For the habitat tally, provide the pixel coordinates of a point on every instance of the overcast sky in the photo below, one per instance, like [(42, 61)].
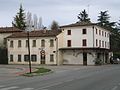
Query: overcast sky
[(63, 11)]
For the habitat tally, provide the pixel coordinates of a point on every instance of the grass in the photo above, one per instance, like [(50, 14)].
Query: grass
[(39, 71)]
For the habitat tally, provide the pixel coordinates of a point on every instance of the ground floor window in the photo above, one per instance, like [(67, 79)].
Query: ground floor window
[(19, 58), (34, 58), (11, 58), (26, 58), (51, 58)]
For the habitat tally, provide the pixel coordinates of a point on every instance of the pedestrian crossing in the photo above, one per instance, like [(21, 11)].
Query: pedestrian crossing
[(3, 87)]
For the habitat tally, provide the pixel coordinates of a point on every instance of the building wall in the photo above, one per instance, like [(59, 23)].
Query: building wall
[(23, 50)]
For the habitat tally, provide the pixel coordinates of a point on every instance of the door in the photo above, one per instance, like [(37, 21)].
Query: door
[(84, 58), (42, 59)]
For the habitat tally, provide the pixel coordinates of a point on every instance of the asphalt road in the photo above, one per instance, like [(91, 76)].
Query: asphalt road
[(105, 77)]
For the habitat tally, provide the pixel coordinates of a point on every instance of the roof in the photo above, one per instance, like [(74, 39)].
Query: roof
[(38, 33), (9, 30), (79, 24)]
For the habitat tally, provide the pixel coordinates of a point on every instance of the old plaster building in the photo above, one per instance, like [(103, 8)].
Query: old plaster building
[(78, 43)]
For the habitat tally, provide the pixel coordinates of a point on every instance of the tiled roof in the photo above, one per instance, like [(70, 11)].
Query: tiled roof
[(9, 30), (79, 24), (38, 33)]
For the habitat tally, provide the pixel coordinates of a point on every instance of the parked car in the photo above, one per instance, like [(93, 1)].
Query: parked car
[(115, 61)]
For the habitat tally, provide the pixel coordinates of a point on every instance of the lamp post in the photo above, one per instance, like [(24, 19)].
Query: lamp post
[(29, 51)]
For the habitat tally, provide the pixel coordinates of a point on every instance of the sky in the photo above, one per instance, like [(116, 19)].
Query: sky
[(62, 11)]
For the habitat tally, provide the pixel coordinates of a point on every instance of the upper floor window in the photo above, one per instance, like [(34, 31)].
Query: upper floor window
[(84, 31), (51, 42), (42, 43), (69, 43), (26, 43), (102, 43), (11, 58), (99, 43), (34, 43), (105, 34), (99, 32), (34, 58), (96, 42), (51, 58), (11, 43), (96, 31), (19, 43), (102, 33), (68, 32), (84, 42)]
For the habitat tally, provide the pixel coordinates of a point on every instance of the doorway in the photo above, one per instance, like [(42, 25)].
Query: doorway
[(42, 59), (84, 58)]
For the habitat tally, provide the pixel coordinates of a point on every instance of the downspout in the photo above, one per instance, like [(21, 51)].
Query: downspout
[(57, 51), (93, 38)]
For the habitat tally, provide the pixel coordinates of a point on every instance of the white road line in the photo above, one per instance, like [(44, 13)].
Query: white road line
[(27, 89), (114, 88), (8, 88)]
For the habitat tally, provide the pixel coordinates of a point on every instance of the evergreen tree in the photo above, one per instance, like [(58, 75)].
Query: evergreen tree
[(19, 19), (104, 20), (83, 16), (54, 25)]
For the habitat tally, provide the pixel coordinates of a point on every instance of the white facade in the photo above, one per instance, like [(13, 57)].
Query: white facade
[(81, 44), (34, 50)]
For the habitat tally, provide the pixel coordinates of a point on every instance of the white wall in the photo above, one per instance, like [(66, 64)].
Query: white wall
[(34, 50)]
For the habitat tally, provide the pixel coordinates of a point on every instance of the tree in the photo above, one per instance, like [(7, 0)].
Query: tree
[(19, 19), (104, 20), (54, 25), (83, 16)]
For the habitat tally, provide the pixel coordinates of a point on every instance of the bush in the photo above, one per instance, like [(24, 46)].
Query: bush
[(98, 62)]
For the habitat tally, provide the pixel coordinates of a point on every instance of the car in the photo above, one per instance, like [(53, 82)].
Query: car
[(115, 61)]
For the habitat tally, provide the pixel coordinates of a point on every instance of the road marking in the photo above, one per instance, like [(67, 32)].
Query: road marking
[(8, 88), (115, 88), (27, 89)]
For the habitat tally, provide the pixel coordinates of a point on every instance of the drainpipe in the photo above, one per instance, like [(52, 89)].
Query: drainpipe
[(57, 51), (93, 38)]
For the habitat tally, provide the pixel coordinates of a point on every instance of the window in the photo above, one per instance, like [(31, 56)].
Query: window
[(19, 43), (84, 42), (108, 35), (69, 43), (99, 43), (11, 43), (26, 58), (34, 43), (84, 31), (99, 32), (51, 58), (43, 43), (19, 58), (105, 34), (96, 42), (26, 43), (34, 58), (102, 43), (51, 42), (96, 31), (102, 33), (105, 44), (11, 58), (68, 32)]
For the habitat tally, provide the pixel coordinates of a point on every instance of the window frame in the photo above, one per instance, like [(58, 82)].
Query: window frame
[(34, 43), (19, 58), (19, 43), (34, 58), (51, 43), (84, 42), (84, 31), (69, 43), (51, 57), (68, 32)]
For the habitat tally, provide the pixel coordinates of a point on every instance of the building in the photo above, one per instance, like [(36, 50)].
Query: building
[(42, 47), (79, 43), (83, 43), (5, 32)]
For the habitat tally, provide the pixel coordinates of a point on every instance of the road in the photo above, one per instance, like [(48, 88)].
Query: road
[(105, 77)]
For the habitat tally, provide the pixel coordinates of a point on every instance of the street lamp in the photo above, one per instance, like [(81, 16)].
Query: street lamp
[(29, 51), (28, 43)]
